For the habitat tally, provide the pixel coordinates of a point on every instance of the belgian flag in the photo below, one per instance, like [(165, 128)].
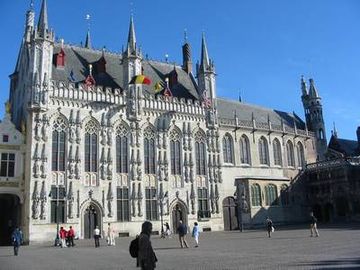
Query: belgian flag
[(140, 79)]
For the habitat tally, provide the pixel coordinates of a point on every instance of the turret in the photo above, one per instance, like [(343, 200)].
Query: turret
[(131, 62), (186, 50), (29, 24), (314, 115), (206, 73), (88, 40)]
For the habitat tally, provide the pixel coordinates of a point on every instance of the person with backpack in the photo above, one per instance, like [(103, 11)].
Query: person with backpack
[(146, 255), (269, 226), (313, 225), (195, 234), (17, 240), (182, 231)]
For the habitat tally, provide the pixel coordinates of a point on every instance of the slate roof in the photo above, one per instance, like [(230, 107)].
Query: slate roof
[(244, 111), (77, 60), (346, 147)]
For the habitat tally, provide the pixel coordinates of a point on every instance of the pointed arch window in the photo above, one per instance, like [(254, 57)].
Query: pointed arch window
[(255, 195), (149, 151), (200, 153), (175, 152), (300, 155), (277, 152), (271, 195), (58, 145), (263, 151), (228, 149), (245, 157), (290, 154), (91, 146), (122, 149)]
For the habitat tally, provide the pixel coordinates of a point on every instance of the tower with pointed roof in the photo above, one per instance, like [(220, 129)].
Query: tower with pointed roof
[(314, 115)]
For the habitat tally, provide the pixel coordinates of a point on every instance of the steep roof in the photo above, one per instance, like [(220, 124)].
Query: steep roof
[(245, 111), (346, 147), (77, 60)]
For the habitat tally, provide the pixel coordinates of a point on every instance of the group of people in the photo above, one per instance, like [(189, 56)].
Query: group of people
[(110, 238), (67, 237)]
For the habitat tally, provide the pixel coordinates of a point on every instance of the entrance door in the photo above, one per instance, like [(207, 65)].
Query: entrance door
[(178, 213), (10, 209), (229, 214), (92, 219)]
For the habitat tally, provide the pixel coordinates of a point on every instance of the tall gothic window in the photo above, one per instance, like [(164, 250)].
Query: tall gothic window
[(122, 151), (149, 151), (200, 153), (57, 204), (228, 149), (58, 145), (271, 195), (151, 204), (277, 152), (91, 147), (284, 195), (255, 195), (123, 206), (245, 157), (290, 154), (175, 152), (300, 155), (203, 203), (263, 151)]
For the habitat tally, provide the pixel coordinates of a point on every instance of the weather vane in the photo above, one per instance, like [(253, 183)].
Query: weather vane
[(87, 18)]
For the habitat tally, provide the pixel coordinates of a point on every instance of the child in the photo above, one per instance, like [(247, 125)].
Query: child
[(196, 233)]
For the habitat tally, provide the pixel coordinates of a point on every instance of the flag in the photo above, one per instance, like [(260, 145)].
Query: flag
[(71, 76), (140, 79), (158, 86)]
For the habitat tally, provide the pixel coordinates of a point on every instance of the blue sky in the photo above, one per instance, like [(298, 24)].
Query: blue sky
[(260, 47)]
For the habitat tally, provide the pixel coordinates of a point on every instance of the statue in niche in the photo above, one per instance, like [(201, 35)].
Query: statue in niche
[(37, 131), (103, 136), (78, 134), (71, 169), (36, 168), (44, 129), (72, 135), (43, 169), (36, 200)]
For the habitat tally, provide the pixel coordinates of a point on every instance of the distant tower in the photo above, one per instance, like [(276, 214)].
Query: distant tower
[(314, 115)]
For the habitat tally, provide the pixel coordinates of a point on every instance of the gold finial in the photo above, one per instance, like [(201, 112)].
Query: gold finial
[(8, 107)]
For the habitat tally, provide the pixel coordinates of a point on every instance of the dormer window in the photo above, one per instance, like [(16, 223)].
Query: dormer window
[(5, 138), (60, 59)]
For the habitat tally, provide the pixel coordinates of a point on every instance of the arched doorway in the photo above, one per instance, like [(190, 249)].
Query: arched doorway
[(179, 212), (91, 219), (229, 214), (10, 216)]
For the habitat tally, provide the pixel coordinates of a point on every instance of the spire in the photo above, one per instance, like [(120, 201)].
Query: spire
[(303, 86), (204, 62), (88, 40), (43, 19), (131, 44), (312, 91), (334, 132)]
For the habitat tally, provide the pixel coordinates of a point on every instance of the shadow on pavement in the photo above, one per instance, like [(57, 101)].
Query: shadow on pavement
[(345, 263)]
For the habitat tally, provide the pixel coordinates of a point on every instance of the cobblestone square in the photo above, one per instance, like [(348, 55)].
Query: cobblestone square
[(289, 248)]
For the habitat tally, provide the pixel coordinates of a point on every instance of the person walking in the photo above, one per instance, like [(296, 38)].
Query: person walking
[(182, 231), (146, 256), (269, 225), (97, 236), (313, 226), (16, 240), (196, 233), (110, 236), (71, 235), (167, 230), (62, 235)]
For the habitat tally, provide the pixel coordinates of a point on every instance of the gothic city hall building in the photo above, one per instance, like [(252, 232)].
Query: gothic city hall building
[(93, 137)]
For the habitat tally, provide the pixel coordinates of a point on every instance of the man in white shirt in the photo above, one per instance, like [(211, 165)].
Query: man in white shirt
[(97, 236)]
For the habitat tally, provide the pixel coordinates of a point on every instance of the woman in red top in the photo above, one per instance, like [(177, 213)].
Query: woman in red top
[(62, 234), (70, 236)]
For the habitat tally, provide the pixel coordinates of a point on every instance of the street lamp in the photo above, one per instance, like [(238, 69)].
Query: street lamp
[(241, 204), (161, 198)]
